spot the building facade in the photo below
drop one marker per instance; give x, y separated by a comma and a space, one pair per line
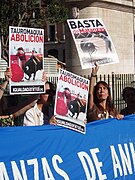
118, 17
54, 36
55, 40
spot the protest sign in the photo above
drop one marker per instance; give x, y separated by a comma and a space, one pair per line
71, 100
106, 151
93, 42
26, 47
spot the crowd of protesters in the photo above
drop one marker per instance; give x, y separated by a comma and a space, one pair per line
39, 110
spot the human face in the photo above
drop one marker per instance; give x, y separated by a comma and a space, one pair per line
130, 97
102, 92
44, 97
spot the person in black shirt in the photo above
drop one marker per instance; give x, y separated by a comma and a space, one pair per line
129, 98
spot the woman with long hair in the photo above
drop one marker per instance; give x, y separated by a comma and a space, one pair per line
100, 102
42, 112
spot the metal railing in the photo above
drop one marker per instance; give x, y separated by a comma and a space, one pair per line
117, 83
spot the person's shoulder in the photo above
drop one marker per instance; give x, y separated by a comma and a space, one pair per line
29, 111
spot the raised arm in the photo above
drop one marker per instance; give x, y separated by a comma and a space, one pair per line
8, 75
92, 82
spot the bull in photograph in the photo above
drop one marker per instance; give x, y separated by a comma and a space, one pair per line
34, 64
76, 106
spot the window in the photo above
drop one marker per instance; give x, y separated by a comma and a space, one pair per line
52, 32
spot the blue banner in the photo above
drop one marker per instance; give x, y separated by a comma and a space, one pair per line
106, 151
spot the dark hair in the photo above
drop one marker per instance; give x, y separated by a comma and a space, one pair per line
125, 90
51, 92
50, 100
109, 103
52, 89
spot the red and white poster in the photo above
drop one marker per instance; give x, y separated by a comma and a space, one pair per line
93, 42
26, 52
71, 101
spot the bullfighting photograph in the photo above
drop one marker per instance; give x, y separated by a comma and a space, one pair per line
93, 42
26, 52
71, 100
